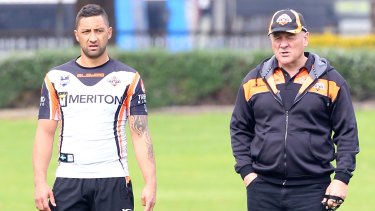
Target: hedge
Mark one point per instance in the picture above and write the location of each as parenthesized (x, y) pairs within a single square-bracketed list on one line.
[(329, 40), (186, 78)]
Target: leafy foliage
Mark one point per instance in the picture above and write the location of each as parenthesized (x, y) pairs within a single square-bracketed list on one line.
[(185, 78)]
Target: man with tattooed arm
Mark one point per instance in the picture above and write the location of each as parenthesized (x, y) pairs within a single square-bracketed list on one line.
[(89, 99)]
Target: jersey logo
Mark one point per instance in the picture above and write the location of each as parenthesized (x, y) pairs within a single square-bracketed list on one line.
[(90, 75), (284, 19), (63, 98), (319, 86), (66, 158), (114, 81), (64, 80)]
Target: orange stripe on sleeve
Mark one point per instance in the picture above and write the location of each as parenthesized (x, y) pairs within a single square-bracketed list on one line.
[(126, 107), (326, 88), (53, 99), (253, 87), (131, 91), (333, 90)]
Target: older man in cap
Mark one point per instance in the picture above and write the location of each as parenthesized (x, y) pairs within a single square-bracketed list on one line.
[(292, 118)]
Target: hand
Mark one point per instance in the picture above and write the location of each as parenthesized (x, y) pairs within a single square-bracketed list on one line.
[(43, 193), (249, 178), (149, 197), (336, 188)]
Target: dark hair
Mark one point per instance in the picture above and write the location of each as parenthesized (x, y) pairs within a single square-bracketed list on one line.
[(90, 10)]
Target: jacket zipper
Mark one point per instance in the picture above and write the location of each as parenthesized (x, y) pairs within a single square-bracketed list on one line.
[(286, 127), (285, 142), (287, 119)]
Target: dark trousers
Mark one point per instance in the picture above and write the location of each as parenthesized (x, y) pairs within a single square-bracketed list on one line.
[(98, 194), (265, 196)]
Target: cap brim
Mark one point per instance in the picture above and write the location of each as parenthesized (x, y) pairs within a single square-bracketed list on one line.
[(283, 29), (293, 31)]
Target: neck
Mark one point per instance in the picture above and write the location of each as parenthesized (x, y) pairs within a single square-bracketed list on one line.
[(293, 68), (85, 61)]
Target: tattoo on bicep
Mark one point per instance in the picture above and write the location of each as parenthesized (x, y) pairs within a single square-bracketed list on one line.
[(138, 123)]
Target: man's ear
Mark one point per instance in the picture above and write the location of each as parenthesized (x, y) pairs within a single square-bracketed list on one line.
[(306, 39), (110, 29), (76, 35)]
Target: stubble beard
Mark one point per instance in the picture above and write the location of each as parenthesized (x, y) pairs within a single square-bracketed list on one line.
[(93, 54)]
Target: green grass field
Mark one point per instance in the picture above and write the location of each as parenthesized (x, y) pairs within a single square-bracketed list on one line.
[(194, 164)]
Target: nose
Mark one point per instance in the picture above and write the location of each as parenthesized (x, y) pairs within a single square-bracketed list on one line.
[(93, 37), (284, 43)]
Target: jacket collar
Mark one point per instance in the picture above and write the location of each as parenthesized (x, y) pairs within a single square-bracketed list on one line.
[(315, 65), (317, 69)]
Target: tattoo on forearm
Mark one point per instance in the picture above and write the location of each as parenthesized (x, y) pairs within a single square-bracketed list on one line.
[(138, 123), (150, 148)]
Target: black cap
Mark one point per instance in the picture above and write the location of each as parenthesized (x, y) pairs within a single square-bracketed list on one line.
[(287, 20)]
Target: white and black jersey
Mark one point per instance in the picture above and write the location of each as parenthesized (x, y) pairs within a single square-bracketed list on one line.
[(92, 106)]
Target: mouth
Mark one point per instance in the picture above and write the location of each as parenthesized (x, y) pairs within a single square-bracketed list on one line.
[(93, 47), (284, 53)]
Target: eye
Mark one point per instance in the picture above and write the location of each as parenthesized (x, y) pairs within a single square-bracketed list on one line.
[(291, 37)]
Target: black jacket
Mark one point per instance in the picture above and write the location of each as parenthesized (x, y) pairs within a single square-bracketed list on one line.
[(294, 146)]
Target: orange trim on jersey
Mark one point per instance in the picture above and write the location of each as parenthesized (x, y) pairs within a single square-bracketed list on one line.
[(326, 88), (278, 76), (125, 107), (301, 77), (60, 135), (272, 84), (254, 86), (131, 91), (307, 81), (53, 99), (121, 114), (333, 90)]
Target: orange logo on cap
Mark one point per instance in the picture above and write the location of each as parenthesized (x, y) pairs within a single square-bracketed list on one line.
[(283, 19)]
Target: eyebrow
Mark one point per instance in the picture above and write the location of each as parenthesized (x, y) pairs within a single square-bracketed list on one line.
[(89, 29)]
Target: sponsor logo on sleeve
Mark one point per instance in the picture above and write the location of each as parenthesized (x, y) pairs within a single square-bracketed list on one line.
[(141, 99), (42, 101)]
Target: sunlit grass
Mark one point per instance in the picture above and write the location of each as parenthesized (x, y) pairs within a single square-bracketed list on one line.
[(194, 164)]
